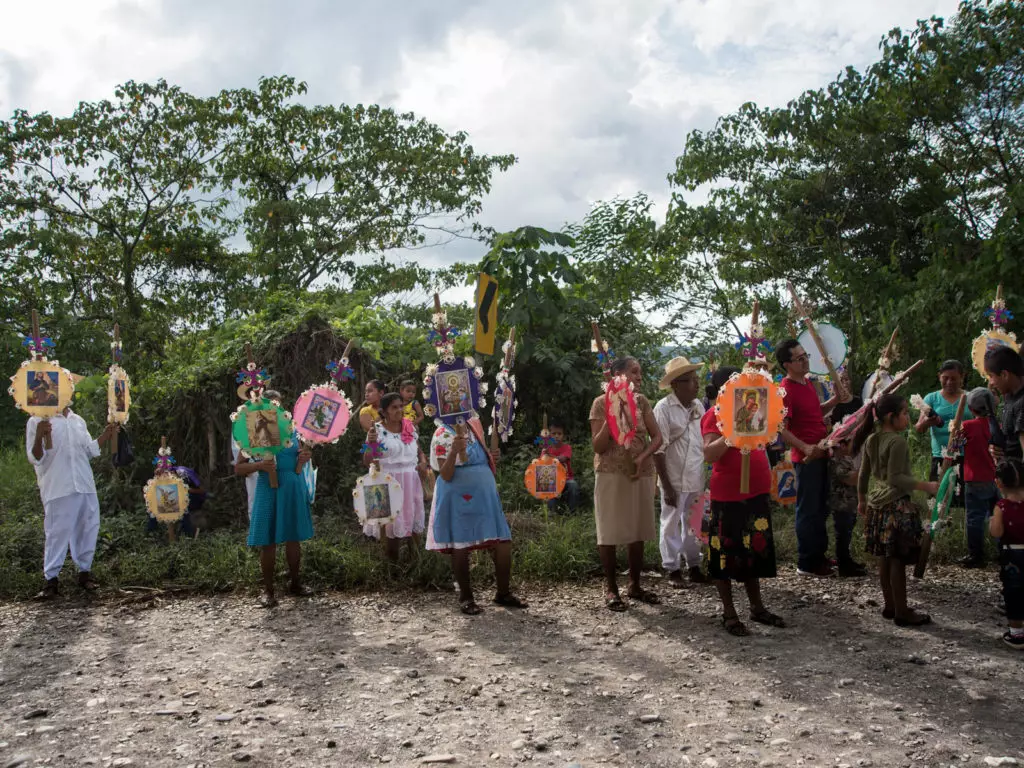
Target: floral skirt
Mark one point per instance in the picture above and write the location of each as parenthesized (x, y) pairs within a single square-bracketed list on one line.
[(740, 544), (894, 530)]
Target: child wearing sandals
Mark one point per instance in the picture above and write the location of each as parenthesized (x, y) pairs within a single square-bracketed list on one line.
[(892, 527), (740, 547), (1007, 525)]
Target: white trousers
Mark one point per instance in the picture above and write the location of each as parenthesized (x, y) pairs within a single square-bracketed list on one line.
[(70, 522), (677, 542), (250, 492)]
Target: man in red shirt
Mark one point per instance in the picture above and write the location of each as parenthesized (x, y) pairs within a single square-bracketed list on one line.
[(804, 432), (563, 452)]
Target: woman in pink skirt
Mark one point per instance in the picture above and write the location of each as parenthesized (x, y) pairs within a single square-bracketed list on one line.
[(403, 460)]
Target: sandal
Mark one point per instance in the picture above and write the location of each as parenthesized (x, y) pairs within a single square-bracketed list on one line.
[(915, 619), (613, 602), (645, 596), (764, 616), (470, 608), (86, 582), (889, 613), (509, 601), (267, 601), (734, 626)]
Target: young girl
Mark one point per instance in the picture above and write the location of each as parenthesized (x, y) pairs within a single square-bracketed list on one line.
[(980, 492), (413, 411), (892, 527), (1007, 525), (369, 414), (404, 460)]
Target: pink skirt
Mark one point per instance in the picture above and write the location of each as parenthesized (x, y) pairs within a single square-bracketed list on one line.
[(410, 519)]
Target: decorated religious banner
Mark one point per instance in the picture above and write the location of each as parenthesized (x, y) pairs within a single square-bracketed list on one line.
[(546, 478), (505, 392), (321, 414), (849, 426), (698, 516), (119, 396), (377, 497), (824, 344), (620, 409), (166, 493), (451, 388), (261, 428), (749, 411), (486, 314), (41, 387), (784, 483), (997, 336)]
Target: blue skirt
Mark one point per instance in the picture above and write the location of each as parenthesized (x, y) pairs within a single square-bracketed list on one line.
[(281, 514)]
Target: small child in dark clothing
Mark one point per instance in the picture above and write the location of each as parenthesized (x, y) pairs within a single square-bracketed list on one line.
[(980, 492), (843, 472), (1007, 525)]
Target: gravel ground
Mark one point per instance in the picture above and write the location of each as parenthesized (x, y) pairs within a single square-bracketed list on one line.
[(403, 679)]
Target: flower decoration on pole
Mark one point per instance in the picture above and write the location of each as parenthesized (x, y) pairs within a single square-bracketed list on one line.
[(505, 392), (997, 336), (544, 439), (340, 370), (252, 379), (754, 346), (163, 461), (605, 355), (442, 336)]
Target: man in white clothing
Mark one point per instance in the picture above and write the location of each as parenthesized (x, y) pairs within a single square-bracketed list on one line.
[(680, 465), (71, 510)]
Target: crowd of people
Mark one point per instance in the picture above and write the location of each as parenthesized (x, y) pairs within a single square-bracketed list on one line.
[(868, 475)]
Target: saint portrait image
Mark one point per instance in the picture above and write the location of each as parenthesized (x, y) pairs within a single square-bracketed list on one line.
[(43, 388), (750, 410)]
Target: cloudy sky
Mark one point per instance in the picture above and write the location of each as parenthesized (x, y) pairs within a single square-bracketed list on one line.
[(595, 97)]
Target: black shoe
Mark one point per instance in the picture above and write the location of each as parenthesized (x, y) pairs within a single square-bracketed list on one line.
[(971, 561), (697, 576), (1015, 642), (50, 590), (851, 569)]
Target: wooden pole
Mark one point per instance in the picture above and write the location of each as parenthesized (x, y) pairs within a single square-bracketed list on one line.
[(37, 355), (597, 337), (947, 462), (348, 348), (999, 293), (460, 431), (115, 445), (809, 322), (755, 313)]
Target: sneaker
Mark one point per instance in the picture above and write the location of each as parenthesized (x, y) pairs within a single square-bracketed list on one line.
[(697, 576), (1015, 642), (971, 561), (823, 571), (851, 569), (50, 590)]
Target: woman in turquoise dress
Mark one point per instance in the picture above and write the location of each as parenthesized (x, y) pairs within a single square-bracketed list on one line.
[(467, 513), (280, 516)]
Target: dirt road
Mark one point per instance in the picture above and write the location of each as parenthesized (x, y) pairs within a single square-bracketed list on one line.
[(360, 680)]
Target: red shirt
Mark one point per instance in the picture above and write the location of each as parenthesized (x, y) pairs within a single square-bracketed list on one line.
[(979, 466), (1013, 521), (562, 450), (725, 473), (804, 419)]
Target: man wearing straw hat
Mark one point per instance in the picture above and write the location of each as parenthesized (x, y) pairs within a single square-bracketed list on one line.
[(71, 510), (680, 465)]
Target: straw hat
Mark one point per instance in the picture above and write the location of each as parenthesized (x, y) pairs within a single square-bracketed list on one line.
[(676, 367)]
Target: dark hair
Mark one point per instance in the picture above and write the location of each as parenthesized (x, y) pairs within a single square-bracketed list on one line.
[(888, 405), (952, 365), (981, 402), (407, 383), (1003, 359), (1010, 473), (377, 384), (718, 379), (784, 352), (621, 364), (556, 423), (387, 400)]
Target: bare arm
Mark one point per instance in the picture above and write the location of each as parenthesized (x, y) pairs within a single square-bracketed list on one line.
[(243, 468), (995, 525), (714, 447), (655, 432), (671, 497), (601, 438), (829, 405), (366, 421)]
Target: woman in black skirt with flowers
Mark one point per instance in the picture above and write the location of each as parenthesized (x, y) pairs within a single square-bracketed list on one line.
[(740, 543)]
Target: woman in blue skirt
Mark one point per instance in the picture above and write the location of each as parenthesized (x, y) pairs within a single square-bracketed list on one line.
[(467, 512), (280, 515)]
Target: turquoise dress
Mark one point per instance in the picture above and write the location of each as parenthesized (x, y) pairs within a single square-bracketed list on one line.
[(467, 512), (281, 514)]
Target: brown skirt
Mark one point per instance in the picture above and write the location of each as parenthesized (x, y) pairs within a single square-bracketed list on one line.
[(624, 509), (894, 531)]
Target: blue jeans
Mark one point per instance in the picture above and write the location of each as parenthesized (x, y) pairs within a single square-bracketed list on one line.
[(570, 497), (979, 500), (811, 515)]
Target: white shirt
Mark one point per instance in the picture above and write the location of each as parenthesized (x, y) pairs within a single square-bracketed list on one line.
[(64, 469), (682, 443)]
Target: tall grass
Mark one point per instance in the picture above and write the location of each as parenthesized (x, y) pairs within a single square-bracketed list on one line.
[(551, 547)]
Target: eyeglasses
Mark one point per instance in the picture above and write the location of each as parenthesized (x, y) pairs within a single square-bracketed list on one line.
[(801, 358)]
